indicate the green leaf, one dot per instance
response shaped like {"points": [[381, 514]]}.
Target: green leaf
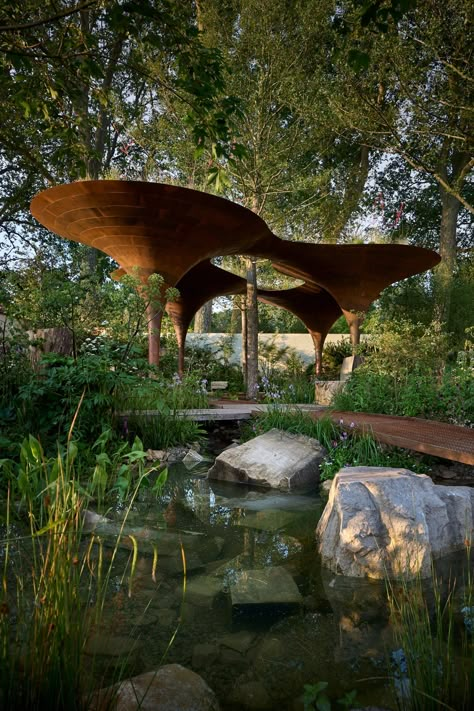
{"points": [[35, 449], [358, 60], [323, 703]]}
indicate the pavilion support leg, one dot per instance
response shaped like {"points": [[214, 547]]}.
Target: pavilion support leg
{"points": [[354, 321], [318, 342], [154, 316], [181, 334]]}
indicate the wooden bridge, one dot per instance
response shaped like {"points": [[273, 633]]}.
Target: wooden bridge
{"points": [[437, 439]]}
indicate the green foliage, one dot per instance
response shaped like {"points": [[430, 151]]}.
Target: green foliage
{"points": [[203, 364], [164, 427], [54, 581], [15, 371], [333, 355], [286, 389], [48, 403], [114, 472], [404, 375], [315, 697]]}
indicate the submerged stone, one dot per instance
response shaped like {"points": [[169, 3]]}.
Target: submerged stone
{"points": [[265, 588], [202, 589], [238, 641], [171, 688], [267, 520]]}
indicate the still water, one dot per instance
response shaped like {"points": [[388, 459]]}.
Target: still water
{"points": [[253, 614]]}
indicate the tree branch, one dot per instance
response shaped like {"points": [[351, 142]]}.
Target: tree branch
{"points": [[46, 21]]}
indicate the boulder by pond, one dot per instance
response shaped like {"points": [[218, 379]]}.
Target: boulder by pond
{"points": [[171, 688], [382, 522], [276, 459]]}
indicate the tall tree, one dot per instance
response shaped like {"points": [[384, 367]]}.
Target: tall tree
{"points": [[421, 68]]}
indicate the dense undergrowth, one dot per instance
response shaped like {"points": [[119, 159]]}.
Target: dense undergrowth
{"points": [[410, 372]]}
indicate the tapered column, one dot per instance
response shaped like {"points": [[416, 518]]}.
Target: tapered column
{"points": [[318, 342], [181, 334], [354, 321], [154, 315]]}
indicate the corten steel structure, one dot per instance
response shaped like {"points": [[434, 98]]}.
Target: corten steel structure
{"points": [[175, 232]]}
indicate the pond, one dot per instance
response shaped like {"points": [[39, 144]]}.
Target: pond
{"points": [[254, 615]]}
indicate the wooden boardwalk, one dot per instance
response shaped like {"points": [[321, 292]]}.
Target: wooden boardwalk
{"points": [[437, 439]]}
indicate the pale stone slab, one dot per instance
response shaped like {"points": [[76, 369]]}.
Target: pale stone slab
{"points": [[268, 586], [325, 390], [267, 520], [276, 459], [382, 522]]}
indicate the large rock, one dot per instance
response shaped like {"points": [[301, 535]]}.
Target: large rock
{"points": [[381, 522], [171, 688], [276, 459]]}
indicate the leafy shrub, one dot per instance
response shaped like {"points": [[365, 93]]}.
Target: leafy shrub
{"points": [[406, 375], [333, 355]]}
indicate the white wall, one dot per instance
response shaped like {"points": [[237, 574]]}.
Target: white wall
{"points": [[301, 342]]}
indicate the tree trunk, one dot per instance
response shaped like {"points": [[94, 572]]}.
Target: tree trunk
{"points": [[252, 328], [236, 315], [447, 249], [154, 316], [203, 318], [245, 355]]}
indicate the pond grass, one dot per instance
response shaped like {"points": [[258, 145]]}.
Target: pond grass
{"points": [[433, 626], [54, 586]]}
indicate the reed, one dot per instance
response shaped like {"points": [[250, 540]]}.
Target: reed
{"points": [[54, 586], [434, 663]]}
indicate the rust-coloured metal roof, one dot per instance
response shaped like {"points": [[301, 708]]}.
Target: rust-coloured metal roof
{"points": [[313, 305], [168, 229], [158, 228], [439, 439], [354, 274], [172, 231], [203, 282]]}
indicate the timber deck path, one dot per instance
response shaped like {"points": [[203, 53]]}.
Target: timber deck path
{"points": [[437, 439]]}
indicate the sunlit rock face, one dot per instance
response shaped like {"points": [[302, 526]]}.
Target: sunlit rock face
{"points": [[276, 460], [382, 522]]}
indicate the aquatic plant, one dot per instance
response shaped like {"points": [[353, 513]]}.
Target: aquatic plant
{"points": [[54, 583], [433, 666]]}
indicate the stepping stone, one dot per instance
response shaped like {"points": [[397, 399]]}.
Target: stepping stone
{"points": [[264, 588], [267, 520], [202, 590], [238, 641]]}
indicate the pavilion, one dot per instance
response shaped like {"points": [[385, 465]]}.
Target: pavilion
{"points": [[176, 232]]}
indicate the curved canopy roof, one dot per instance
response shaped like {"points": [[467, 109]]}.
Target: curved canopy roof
{"points": [[175, 231]]}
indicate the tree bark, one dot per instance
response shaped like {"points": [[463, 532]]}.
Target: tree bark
{"points": [[447, 249], [245, 356], [252, 328], [203, 318], [154, 316]]}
